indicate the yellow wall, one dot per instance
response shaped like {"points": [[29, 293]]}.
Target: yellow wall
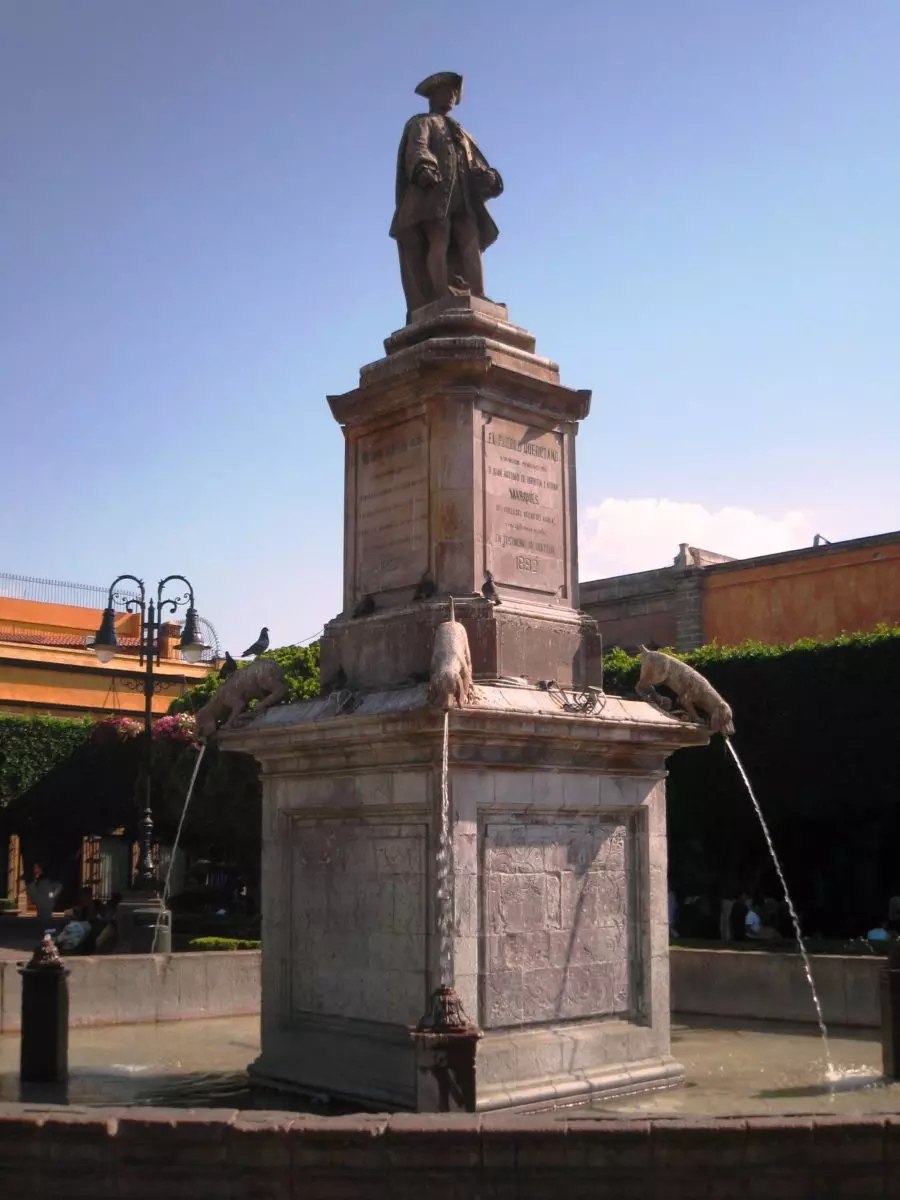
{"points": [[63, 680], [815, 596]]}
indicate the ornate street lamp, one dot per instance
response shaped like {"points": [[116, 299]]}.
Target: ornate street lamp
{"points": [[191, 646]]}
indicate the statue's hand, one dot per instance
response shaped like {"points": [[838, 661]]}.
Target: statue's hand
{"points": [[427, 177], [489, 183]]}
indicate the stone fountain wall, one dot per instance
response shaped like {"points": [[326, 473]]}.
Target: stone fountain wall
{"points": [[108, 1153], [558, 890]]}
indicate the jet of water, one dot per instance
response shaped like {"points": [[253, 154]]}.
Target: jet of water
{"points": [[807, 966], [168, 882], [444, 868]]}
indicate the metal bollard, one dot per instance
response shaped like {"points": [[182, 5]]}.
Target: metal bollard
{"points": [[446, 1042], [144, 926], [45, 1017]]}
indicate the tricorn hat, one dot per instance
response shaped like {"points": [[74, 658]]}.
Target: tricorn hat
{"points": [[441, 79]]}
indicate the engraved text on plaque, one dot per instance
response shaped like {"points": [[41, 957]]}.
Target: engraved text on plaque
{"points": [[392, 507], [524, 505]]}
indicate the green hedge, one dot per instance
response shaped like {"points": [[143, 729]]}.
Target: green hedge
{"points": [[816, 728], [30, 747], [221, 943]]}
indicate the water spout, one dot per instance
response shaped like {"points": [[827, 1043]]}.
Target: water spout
{"points": [[444, 869], [168, 882], [831, 1073]]}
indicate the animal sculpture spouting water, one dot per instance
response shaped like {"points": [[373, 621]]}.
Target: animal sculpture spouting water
{"points": [[263, 681], [451, 665], [691, 689]]}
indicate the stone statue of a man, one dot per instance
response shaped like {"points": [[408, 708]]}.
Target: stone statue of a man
{"points": [[441, 221]]}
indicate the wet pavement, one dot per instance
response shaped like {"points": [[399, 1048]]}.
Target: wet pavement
{"points": [[733, 1068]]}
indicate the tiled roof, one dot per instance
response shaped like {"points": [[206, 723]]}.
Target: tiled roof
{"points": [[69, 641]]}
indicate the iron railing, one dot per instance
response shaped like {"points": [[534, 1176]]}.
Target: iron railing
{"points": [[55, 591]]}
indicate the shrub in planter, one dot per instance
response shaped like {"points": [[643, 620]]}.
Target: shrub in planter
{"points": [[223, 943]]}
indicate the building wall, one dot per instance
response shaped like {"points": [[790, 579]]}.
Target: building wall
{"points": [[46, 668], [816, 593], [649, 608]]}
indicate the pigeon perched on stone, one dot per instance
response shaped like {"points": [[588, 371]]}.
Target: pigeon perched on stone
{"points": [[425, 588], [489, 591], [259, 646], [228, 667], [339, 683], [365, 607]]}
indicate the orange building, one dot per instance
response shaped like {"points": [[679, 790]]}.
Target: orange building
{"points": [[46, 665], [818, 592]]}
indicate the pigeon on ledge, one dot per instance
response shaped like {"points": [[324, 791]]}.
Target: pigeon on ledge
{"points": [[489, 591], [259, 646], [228, 667], [365, 607], [425, 588]]}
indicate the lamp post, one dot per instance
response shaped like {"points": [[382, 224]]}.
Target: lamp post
{"points": [[191, 646]]}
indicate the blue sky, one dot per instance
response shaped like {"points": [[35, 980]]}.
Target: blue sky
{"points": [[699, 223]]}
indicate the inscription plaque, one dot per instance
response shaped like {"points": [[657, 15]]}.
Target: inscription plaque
{"points": [[392, 507], [524, 505]]}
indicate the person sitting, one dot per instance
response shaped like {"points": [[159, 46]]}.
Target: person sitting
{"points": [[109, 934], [756, 927], [737, 918]]}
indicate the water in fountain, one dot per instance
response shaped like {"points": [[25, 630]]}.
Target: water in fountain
{"points": [[168, 882], [444, 868], [832, 1073]]}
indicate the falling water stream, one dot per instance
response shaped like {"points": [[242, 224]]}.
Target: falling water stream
{"points": [[444, 871], [168, 882], [832, 1073]]}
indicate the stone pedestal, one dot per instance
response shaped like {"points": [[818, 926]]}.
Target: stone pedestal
{"points": [[460, 460], [560, 930]]}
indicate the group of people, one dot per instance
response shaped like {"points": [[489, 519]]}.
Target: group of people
{"points": [[740, 919], [762, 920], [752, 918], [90, 927]]}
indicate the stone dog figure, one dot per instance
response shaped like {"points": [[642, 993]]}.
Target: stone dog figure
{"points": [[451, 665], [263, 681], [692, 690], [441, 222]]}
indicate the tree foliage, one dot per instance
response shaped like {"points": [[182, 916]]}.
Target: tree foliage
{"points": [[300, 665]]}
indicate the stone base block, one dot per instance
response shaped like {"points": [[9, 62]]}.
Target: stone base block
{"points": [[376, 1068], [507, 641], [554, 893]]}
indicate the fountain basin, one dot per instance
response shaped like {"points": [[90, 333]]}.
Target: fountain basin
{"points": [[754, 1121]]}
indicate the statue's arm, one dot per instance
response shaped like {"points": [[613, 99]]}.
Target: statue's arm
{"points": [[420, 163], [491, 181]]}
